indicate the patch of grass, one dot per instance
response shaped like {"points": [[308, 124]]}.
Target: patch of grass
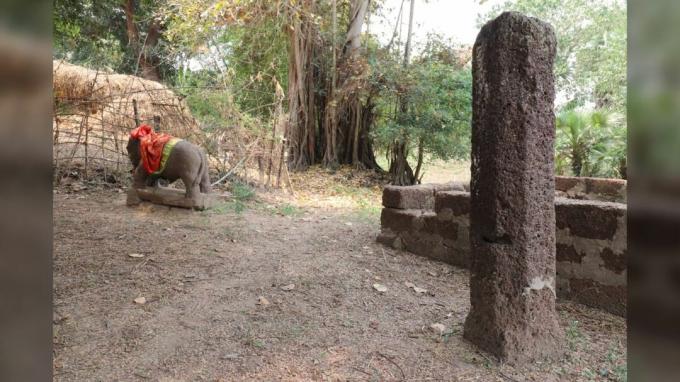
{"points": [[617, 369], [368, 211], [574, 335], [368, 208], [589, 374], [235, 206], [620, 373], [250, 339], [288, 210], [296, 330], [258, 344], [242, 192]]}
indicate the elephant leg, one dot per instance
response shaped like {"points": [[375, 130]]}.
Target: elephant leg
{"points": [[192, 186], [139, 178]]}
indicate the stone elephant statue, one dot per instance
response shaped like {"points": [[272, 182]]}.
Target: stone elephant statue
{"points": [[160, 156]]}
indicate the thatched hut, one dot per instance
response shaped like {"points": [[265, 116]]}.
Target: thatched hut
{"points": [[94, 111]]}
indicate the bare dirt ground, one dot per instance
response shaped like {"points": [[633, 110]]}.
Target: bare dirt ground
{"points": [[275, 288]]}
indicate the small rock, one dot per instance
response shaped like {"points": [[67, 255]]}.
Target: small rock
{"points": [[140, 300], [380, 288], [288, 287], [136, 255]]}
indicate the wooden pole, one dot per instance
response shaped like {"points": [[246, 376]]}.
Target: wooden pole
{"points": [[136, 113]]}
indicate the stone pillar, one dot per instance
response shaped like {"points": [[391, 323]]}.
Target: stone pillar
{"points": [[512, 217]]}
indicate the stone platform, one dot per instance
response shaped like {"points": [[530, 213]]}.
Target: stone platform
{"points": [[433, 220]]}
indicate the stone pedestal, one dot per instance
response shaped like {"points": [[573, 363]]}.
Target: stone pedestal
{"points": [[169, 197], [512, 217]]}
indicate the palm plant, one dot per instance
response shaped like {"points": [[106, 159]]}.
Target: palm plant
{"points": [[594, 143]]}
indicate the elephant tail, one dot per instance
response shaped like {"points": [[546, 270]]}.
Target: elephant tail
{"points": [[204, 174]]}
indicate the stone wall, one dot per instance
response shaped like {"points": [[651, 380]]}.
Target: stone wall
{"points": [[609, 190], [434, 221]]}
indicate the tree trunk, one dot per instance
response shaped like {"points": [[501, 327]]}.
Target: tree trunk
{"points": [[576, 162], [357, 129], [401, 171], [330, 157], [417, 176], [143, 52], [357, 16], [300, 98], [402, 174], [351, 124], [407, 48]]}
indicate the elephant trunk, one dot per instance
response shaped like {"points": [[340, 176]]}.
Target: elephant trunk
{"points": [[134, 154]]}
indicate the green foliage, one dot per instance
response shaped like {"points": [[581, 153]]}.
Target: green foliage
{"points": [[93, 33], [593, 143], [440, 109], [368, 210], [246, 56], [574, 335], [242, 192], [439, 97], [590, 66], [226, 58], [209, 101], [287, 209], [90, 33]]}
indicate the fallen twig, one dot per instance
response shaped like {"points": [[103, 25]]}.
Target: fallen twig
{"points": [[231, 171], [403, 375], [502, 374]]}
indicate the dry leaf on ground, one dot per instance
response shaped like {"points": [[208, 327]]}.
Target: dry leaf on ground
{"points": [[262, 301], [414, 287], [438, 328]]}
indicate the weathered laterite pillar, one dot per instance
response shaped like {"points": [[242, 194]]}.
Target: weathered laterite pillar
{"points": [[512, 217]]}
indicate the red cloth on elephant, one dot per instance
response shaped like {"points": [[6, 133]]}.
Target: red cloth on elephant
{"points": [[150, 146]]}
